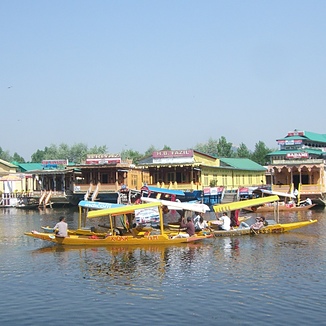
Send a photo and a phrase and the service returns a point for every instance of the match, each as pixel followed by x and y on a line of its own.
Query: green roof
pixel 241 164
pixel 303 150
pixel 313 136
pixel 25 167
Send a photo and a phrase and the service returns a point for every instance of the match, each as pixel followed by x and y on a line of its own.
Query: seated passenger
pixel 169 216
pixel 226 225
pixel 190 229
pixel 61 228
pixel 308 201
pixel 201 224
pixel 260 222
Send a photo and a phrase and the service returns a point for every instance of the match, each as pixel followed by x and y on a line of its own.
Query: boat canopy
pixel 97 205
pixel 280 194
pixel 177 205
pixel 244 203
pixel 163 190
pixel 124 209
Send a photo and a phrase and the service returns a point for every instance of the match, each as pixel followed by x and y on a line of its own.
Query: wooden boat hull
pixel 281 208
pixel 28 206
pixel 89 232
pixel 115 240
pixel 272 228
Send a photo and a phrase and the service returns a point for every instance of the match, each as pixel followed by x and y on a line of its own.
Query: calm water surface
pixel 249 280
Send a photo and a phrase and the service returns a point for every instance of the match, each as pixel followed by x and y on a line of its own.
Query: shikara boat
pixel 271 227
pixel 284 205
pixel 82 229
pixel 278 206
pixel 121 233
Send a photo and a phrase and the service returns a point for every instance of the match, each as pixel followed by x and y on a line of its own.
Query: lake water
pixel 276 279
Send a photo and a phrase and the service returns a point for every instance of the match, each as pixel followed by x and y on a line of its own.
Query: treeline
pixel 77 153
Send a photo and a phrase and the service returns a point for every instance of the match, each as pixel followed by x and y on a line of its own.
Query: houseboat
pixel 298 167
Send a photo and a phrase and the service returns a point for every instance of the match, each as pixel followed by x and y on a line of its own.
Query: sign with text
pixel 103 161
pixel 170 154
pixel 147 215
pixel 297 155
pixel 54 162
pixel 295 133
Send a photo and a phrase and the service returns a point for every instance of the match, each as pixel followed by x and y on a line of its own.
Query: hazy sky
pixel 131 74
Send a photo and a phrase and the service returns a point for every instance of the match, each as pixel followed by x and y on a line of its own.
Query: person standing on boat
pixel 235 218
pixel 61 228
pixel 226 222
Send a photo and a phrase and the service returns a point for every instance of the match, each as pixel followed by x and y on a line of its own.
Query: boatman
pixel 61 228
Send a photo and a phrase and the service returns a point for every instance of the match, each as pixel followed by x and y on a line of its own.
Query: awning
pixel 125 209
pixel 244 203
pixel 163 190
pixel 10 178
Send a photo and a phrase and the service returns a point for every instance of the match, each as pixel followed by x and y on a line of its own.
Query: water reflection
pixel 271 274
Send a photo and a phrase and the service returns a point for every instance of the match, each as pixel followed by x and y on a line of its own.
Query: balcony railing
pixel 297 162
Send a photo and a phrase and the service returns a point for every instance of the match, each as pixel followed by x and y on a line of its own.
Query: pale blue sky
pixel 131 74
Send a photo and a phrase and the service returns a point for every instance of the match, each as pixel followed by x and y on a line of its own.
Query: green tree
pixel 78 153
pixel 224 148
pixel 38 156
pixel 260 153
pixel 98 150
pixel 131 155
pixel 5 155
pixel 51 152
pixel 150 150
pixel 210 148
pixel 18 158
pixel 243 151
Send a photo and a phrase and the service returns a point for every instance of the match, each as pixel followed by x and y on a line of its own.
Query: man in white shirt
pixel 225 226
pixel 61 228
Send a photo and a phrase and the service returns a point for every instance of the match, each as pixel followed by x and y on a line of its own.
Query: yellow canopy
pixel 244 203
pixel 127 209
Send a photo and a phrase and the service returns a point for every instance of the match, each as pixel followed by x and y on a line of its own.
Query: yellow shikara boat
pixel 148 231
pixel 271 227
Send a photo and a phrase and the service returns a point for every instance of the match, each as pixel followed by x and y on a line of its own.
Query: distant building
pixel 299 164
pixel 192 170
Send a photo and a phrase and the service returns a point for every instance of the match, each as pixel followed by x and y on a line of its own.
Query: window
pixel 171 177
pixel 134 180
pixel 206 180
pixel 224 180
pixel 237 179
pixel 250 179
pixel 156 177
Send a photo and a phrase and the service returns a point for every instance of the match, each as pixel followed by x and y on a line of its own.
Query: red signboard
pixel 103 161
pixel 55 162
pixel 181 153
pixel 295 133
pixel 297 155
pixel 103 156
